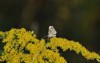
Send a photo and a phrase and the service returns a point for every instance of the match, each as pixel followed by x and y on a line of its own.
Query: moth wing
pixel 52 30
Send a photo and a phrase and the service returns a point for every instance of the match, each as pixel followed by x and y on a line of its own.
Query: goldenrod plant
pixel 22 46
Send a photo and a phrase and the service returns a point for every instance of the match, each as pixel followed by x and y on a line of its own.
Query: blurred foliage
pixel 0 52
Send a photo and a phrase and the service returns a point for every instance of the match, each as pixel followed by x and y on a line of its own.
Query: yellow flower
pixel 23 46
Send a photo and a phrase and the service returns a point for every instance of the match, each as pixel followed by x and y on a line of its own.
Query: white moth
pixel 51 32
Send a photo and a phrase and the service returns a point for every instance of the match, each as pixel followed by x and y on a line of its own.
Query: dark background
pixel 77 20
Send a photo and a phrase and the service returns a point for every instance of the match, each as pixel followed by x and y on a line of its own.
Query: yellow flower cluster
pixel 23 46
pixel 72 45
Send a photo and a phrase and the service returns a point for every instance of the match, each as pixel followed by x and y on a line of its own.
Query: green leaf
pixel 1 52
